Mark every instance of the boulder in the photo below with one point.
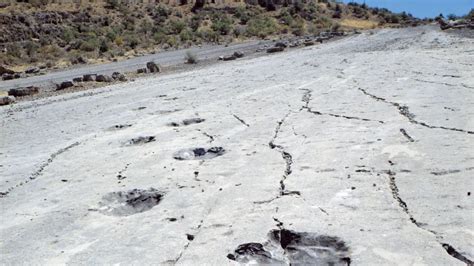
(103, 78)
(89, 77)
(7, 76)
(281, 44)
(238, 54)
(141, 70)
(308, 43)
(4, 100)
(275, 49)
(64, 85)
(119, 76)
(4, 70)
(153, 67)
(32, 70)
(229, 57)
(79, 79)
(19, 92)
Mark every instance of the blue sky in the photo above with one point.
(422, 8)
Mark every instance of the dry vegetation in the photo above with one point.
(35, 32)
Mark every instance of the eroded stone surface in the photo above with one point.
(362, 146)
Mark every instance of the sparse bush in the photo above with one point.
(190, 58)
(261, 26)
(89, 45)
(223, 25)
(176, 25)
(119, 41)
(186, 35)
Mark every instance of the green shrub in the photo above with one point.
(176, 25)
(223, 25)
(186, 35)
(261, 26)
(89, 45)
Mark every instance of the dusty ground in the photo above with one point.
(359, 151)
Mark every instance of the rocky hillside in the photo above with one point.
(51, 34)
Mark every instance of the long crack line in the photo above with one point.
(287, 157)
(396, 195)
(41, 169)
(241, 120)
(307, 98)
(404, 111)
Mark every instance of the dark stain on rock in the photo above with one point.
(125, 203)
(141, 140)
(199, 153)
(187, 122)
(297, 248)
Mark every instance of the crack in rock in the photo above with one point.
(404, 111)
(41, 169)
(307, 98)
(343, 116)
(396, 195)
(241, 120)
(405, 134)
(190, 238)
(287, 157)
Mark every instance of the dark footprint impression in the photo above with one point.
(187, 122)
(125, 203)
(294, 248)
(141, 140)
(199, 153)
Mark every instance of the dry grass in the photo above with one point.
(358, 24)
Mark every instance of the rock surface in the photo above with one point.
(315, 159)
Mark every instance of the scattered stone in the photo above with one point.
(89, 77)
(125, 203)
(229, 58)
(275, 49)
(4, 70)
(79, 79)
(308, 43)
(103, 78)
(199, 153)
(64, 85)
(281, 44)
(19, 92)
(153, 67)
(119, 76)
(141, 70)
(190, 237)
(7, 76)
(238, 54)
(32, 70)
(5, 100)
